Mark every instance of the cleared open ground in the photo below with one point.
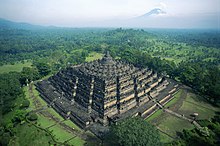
(17, 67)
(94, 56)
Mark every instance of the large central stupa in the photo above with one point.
(105, 91)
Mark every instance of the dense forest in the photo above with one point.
(190, 57)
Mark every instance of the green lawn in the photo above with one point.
(27, 135)
(44, 122)
(170, 103)
(60, 134)
(36, 94)
(171, 124)
(93, 56)
(17, 67)
(192, 104)
(155, 115)
(54, 113)
(71, 124)
(175, 99)
(76, 142)
(164, 138)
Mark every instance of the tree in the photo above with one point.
(19, 116)
(5, 138)
(29, 74)
(32, 117)
(25, 104)
(133, 131)
(43, 68)
(9, 91)
(213, 83)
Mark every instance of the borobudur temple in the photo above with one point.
(105, 91)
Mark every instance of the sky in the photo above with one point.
(116, 13)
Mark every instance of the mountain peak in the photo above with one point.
(155, 11)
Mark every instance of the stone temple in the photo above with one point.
(105, 91)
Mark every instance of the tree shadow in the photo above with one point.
(92, 140)
(179, 134)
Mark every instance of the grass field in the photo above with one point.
(193, 104)
(17, 67)
(172, 124)
(155, 115)
(59, 133)
(71, 124)
(77, 142)
(175, 99)
(172, 102)
(164, 138)
(93, 56)
(187, 106)
(27, 135)
(44, 122)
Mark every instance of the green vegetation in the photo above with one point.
(93, 56)
(195, 138)
(154, 115)
(173, 126)
(77, 141)
(51, 50)
(71, 124)
(32, 117)
(164, 138)
(58, 132)
(45, 122)
(14, 128)
(193, 104)
(9, 91)
(175, 99)
(189, 56)
(133, 131)
(17, 103)
(25, 104)
(17, 67)
(170, 103)
(30, 135)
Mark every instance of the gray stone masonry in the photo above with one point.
(105, 91)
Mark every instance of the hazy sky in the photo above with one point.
(81, 12)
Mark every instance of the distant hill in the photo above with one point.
(7, 24)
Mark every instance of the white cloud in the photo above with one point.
(162, 6)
